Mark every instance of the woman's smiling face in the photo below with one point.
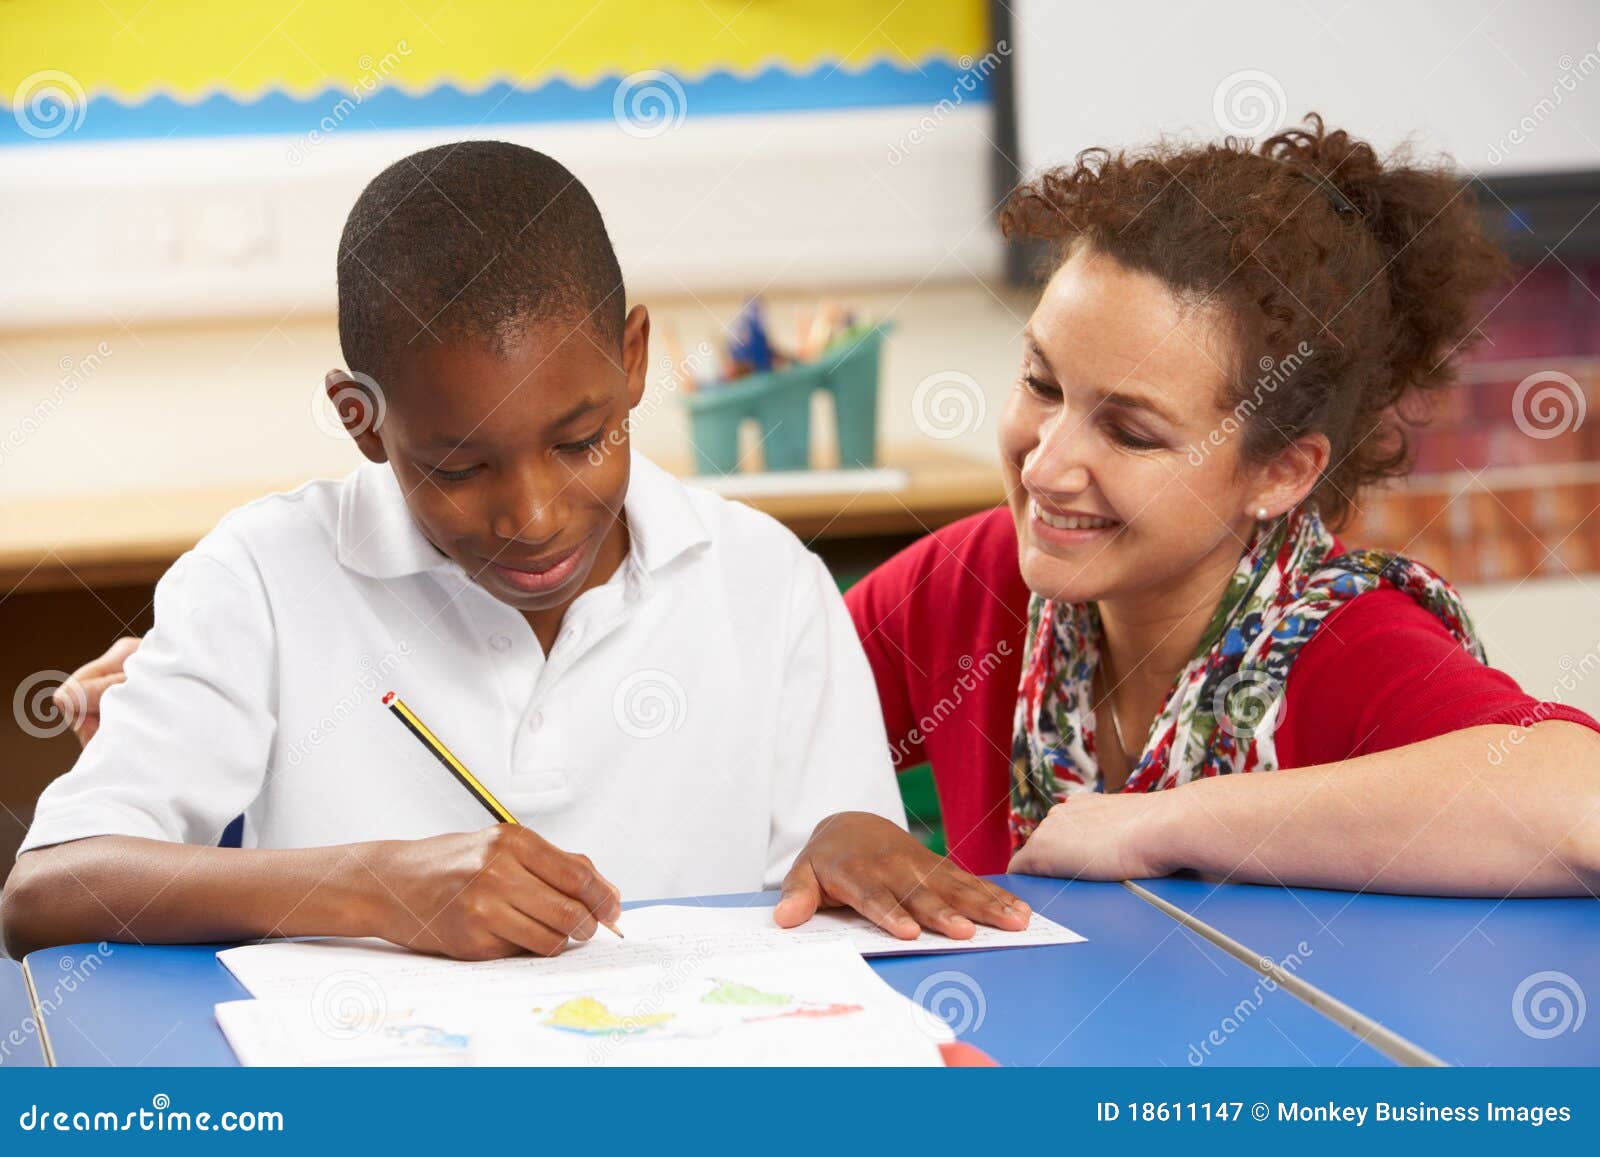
(1121, 380)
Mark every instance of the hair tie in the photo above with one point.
(1340, 203)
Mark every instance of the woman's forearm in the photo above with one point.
(128, 889)
(1492, 811)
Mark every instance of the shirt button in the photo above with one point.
(536, 721)
(500, 642)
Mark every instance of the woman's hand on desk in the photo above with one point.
(78, 699)
(501, 891)
(862, 861)
(1097, 836)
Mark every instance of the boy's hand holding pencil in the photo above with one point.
(500, 891)
(510, 891)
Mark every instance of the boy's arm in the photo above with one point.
(124, 888)
(471, 895)
(839, 834)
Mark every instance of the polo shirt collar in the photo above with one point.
(662, 520)
(378, 537)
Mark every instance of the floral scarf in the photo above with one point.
(1227, 702)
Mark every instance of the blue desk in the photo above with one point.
(1458, 977)
(1143, 991)
(19, 1039)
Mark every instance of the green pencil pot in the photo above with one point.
(850, 374)
(780, 403)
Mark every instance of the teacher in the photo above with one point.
(1219, 366)
(1222, 361)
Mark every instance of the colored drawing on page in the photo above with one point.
(733, 992)
(809, 1012)
(425, 1036)
(591, 1017)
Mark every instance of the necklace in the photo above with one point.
(1111, 709)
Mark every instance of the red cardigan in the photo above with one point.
(943, 624)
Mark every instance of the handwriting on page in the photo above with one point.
(656, 934)
(665, 921)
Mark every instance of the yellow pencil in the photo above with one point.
(454, 766)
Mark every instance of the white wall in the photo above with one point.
(1544, 633)
(1503, 87)
(247, 227)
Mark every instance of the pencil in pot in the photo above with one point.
(454, 766)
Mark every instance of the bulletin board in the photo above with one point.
(195, 68)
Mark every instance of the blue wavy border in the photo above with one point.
(775, 89)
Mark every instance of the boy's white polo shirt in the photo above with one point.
(696, 717)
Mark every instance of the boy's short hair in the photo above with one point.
(477, 239)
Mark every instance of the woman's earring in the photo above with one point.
(1261, 513)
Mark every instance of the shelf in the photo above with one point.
(1498, 478)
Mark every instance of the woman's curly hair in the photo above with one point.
(1376, 265)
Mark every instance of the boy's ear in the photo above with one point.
(359, 402)
(636, 353)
